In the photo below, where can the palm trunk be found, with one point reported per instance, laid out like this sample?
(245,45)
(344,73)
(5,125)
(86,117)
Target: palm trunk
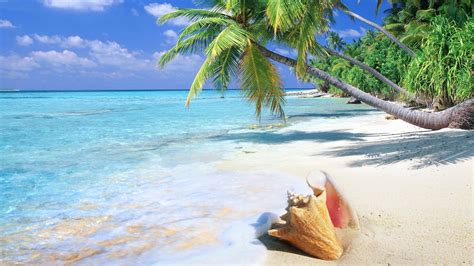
(372,71)
(381,29)
(459,116)
(377,75)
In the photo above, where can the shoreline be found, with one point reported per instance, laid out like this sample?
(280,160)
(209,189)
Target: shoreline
(253,167)
(411,188)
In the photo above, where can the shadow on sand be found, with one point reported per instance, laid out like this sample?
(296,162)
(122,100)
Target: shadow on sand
(285,137)
(273,243)
(336,114)
(437,148)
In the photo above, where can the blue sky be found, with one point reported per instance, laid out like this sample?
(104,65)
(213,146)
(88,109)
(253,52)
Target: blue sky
(110,44)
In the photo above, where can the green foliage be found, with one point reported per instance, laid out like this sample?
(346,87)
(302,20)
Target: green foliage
(227,34)
(443,70)
(255,84)
(231,33)
(376,51)
(410,20)
(296,23)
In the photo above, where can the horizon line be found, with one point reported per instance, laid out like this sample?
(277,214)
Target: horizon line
(106,90)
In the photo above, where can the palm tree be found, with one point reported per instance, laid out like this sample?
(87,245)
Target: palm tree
(233,35)
(381,29)
(334,41)
(375,73)
(228,34)
(410,20)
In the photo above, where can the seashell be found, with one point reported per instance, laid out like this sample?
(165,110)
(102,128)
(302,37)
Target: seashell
(310,222)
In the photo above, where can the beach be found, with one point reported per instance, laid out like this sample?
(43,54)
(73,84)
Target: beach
(168,185)
(411,188)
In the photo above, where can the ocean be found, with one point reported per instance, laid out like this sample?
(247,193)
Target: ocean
(125,177)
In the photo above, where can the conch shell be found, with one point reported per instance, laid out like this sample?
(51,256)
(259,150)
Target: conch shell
(310,221)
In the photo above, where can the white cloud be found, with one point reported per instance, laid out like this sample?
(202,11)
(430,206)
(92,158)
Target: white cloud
(351,33)
(16,67)
(158,10)
(81,5)
(113,54)
(66,42)
(181,63)
(64,58)
(104,59)
(24,40)
(47,39)
(73,41)
(6,24)
(17,63)
(171,36)
(102,53)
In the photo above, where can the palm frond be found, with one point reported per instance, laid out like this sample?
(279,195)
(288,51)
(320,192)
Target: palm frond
(260,81)
(203,24)
(204,73)
(192,14)
(283,14)
(194,44)
(232,36)
(226,67)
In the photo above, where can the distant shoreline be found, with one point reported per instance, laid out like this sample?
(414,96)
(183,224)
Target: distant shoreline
(128,90)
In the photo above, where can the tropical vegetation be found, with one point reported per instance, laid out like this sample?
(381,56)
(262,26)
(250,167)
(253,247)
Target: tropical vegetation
(235,36)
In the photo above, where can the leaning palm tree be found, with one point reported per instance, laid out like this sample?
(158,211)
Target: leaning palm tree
(233,35)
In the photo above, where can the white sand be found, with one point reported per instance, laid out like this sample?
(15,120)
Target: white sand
(411,188)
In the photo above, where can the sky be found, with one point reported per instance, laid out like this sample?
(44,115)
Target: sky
(113,44)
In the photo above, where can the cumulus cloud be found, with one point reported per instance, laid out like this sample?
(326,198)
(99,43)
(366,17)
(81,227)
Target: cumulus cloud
(6,24)
(24,40)
(16,63)
(181,63)
(158,10)
(73,41)
(81,5)
(171,36)
(64,58)
(103,53)
(351,33)
(47,39)
(66,42)
(113,54)
(105,59)
(15,66)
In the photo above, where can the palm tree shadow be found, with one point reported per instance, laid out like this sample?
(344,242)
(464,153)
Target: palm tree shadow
(270,137)
(435,148)
(334,114)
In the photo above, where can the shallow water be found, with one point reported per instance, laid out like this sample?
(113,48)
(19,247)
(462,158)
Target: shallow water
(117,177)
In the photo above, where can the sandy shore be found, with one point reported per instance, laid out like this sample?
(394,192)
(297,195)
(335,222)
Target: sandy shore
(411,188)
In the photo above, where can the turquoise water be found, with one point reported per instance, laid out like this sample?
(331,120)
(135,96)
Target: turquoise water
(117,177)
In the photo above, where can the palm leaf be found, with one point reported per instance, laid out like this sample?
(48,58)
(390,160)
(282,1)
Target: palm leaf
(192,14)
(226,67)
(204,73)
(283,14)
(203,24)
(260,81)
(191,45)
(232,36)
